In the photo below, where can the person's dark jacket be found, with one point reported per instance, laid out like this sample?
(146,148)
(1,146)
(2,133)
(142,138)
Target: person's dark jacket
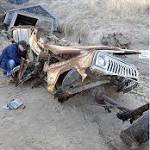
(10,52)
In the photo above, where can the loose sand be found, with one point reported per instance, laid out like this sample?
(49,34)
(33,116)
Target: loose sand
(78,124)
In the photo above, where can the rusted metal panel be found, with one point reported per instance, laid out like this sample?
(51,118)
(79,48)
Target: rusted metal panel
(80,63)
(57,50)
(34,45)
(45,44)
(109,49)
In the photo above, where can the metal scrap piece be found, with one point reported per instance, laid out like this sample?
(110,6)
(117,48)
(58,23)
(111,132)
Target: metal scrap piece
(62,94)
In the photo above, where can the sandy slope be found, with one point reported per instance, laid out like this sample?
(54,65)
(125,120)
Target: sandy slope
(78,124)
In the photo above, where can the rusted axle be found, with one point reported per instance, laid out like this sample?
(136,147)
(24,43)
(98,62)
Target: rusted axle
(102,99)
(65,94)
(125,114)
(133,114)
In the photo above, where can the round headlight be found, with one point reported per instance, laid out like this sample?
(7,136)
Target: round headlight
(100,61)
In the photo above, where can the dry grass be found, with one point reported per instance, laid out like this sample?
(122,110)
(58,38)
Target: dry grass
(122,7)
(86,19)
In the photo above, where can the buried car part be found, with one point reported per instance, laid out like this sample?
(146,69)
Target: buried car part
(138,132)
(97,62)
(125,114)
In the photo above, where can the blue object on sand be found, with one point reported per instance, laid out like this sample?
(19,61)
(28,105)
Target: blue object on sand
(13,104)
(17,1)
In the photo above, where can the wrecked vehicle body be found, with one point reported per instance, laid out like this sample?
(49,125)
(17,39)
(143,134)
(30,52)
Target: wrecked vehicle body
(97,62)
(67,66)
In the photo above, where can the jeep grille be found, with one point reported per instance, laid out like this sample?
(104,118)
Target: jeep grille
(120,68)
(114,66)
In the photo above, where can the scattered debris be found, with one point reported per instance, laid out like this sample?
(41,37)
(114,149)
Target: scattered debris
(30,70)
(14,104)
(116,39)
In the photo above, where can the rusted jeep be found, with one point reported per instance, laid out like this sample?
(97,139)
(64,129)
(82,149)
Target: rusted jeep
(70,68)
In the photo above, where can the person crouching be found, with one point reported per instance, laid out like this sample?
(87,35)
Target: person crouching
(11,56)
